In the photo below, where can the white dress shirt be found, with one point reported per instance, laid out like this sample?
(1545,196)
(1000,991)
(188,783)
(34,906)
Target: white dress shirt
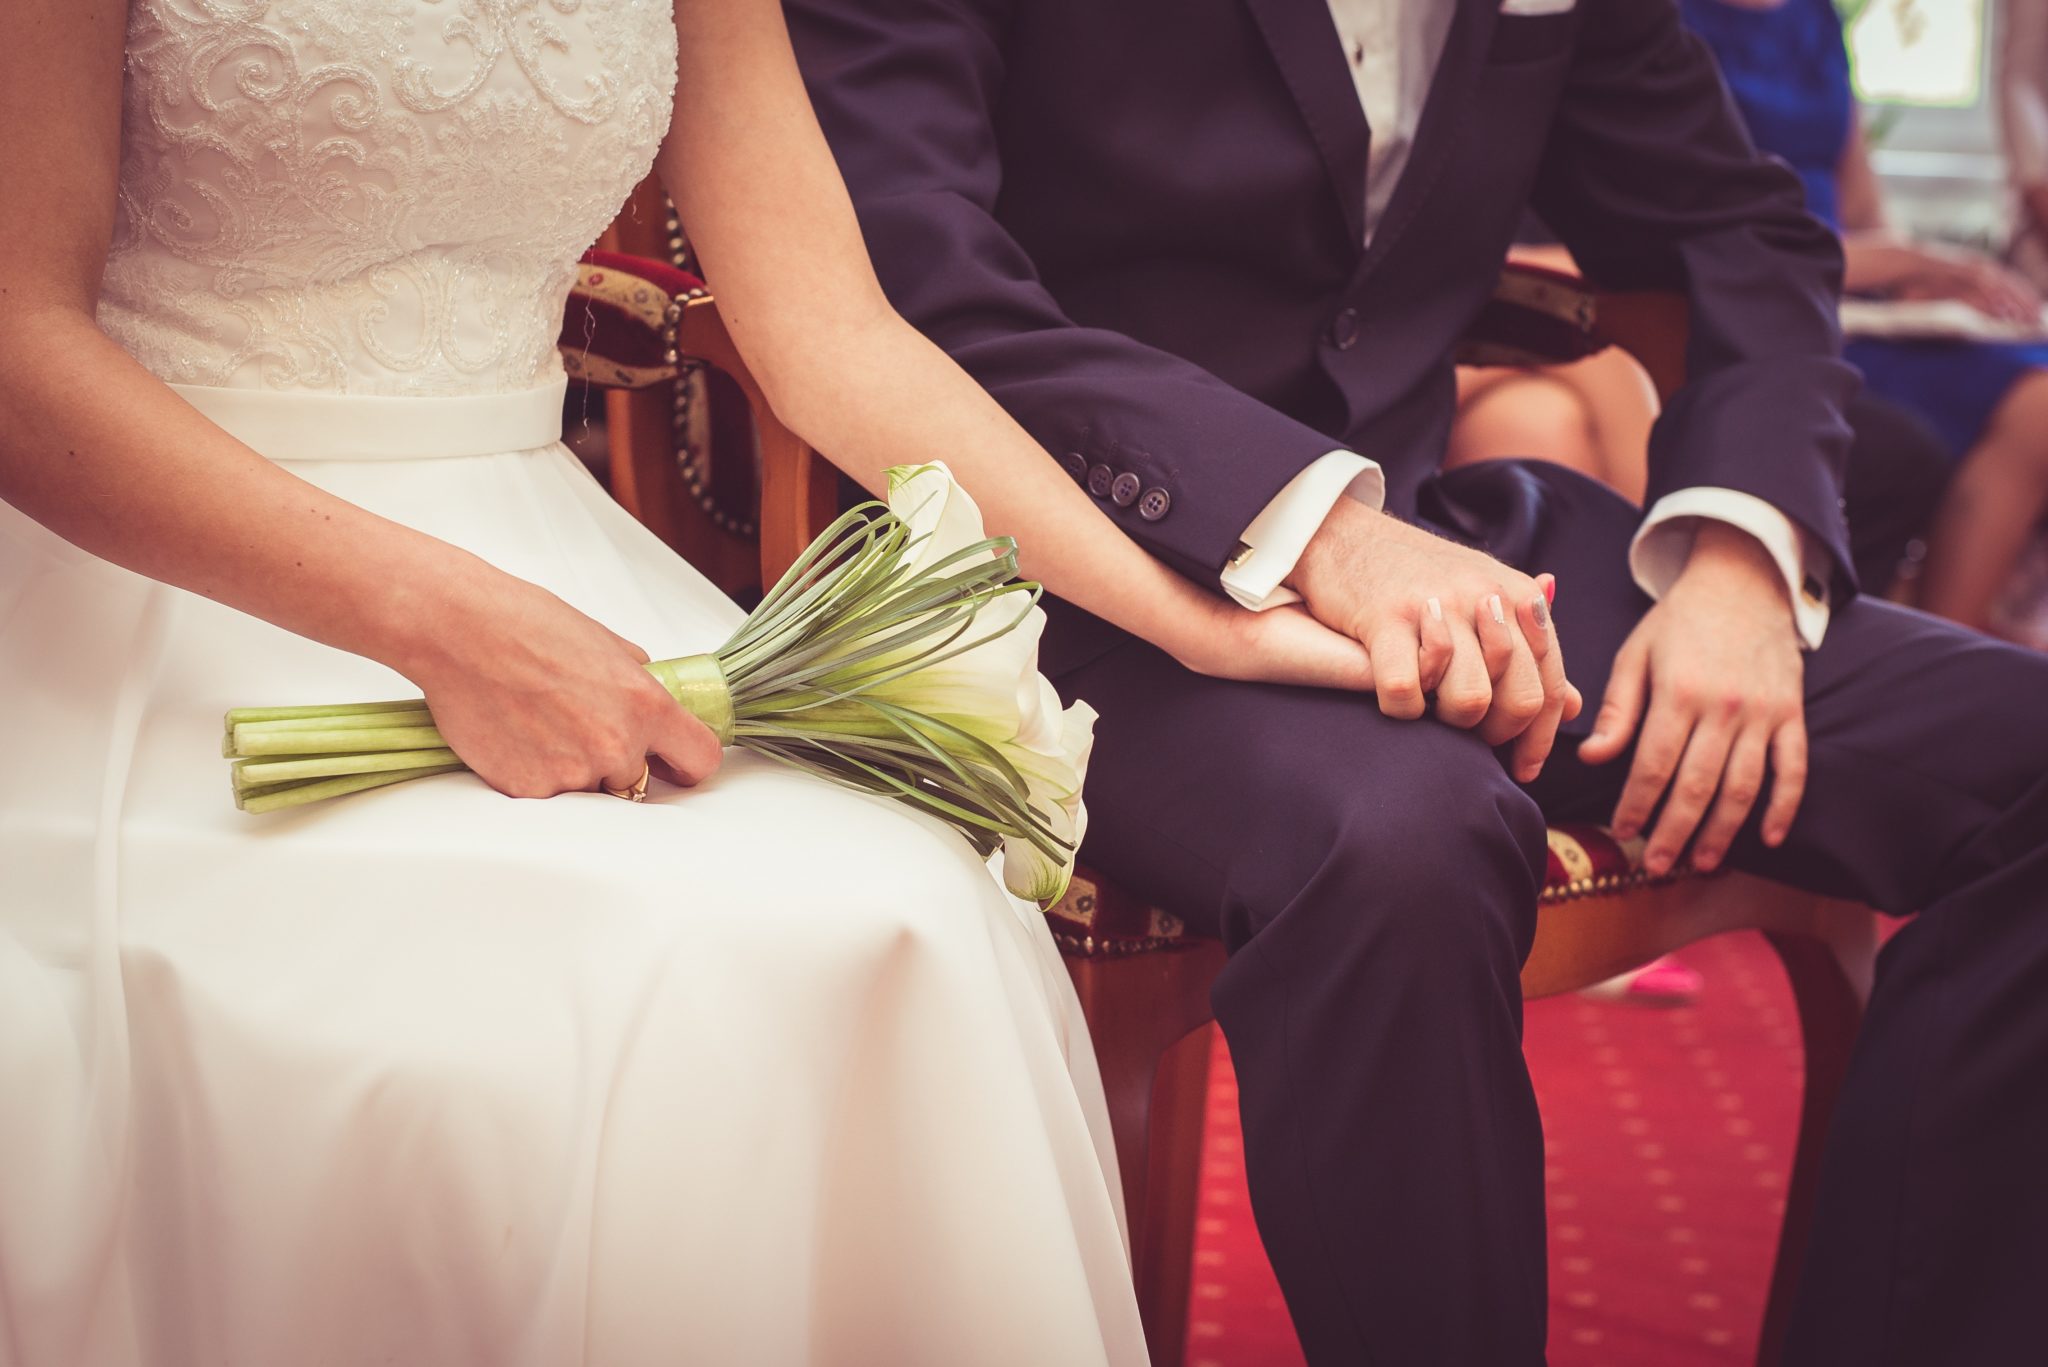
(1393,47)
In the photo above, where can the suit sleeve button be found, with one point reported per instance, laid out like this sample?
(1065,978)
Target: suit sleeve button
(1124,491)
(1154,504)
(1344,330)
(1100,477)
(1076,465)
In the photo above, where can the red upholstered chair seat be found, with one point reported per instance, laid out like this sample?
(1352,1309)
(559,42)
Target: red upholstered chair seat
(619,331)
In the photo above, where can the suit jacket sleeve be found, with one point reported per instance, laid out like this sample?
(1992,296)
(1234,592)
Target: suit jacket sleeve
(906,90)
(1651,181)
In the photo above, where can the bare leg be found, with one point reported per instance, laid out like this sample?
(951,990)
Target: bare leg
(1997,498)
(1523,413)
(1592,415)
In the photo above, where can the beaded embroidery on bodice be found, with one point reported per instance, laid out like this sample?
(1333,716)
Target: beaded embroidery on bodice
(373,196)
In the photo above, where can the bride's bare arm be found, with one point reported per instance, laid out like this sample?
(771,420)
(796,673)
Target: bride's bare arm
(753,178)
(535,696)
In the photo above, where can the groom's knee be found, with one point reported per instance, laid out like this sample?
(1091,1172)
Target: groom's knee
(1421,856)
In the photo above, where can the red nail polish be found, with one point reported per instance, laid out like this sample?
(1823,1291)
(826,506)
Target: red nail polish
(1549,590)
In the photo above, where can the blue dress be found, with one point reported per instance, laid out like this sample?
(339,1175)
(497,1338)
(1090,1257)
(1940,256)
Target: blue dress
(1789,73)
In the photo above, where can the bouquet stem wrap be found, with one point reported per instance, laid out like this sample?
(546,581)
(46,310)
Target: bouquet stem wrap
(699,685)
(898,656)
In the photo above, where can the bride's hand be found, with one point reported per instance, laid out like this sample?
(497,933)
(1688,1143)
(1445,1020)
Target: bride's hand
(1282,645)
(539,699)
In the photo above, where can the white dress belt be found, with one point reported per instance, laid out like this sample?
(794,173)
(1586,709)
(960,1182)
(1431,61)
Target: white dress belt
(290,425)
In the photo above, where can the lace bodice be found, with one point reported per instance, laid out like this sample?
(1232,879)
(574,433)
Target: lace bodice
(373,196)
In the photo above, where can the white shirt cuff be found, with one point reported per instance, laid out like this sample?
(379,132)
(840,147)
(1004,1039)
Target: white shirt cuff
(1272,545)
(1664,544)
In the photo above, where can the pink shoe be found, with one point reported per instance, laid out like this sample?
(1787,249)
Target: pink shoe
(1663,981)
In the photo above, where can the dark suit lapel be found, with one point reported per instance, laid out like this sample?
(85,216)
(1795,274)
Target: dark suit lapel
(1304,41)
(1443,119)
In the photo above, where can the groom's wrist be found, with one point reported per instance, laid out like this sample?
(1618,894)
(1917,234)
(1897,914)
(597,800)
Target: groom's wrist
(1333,549)
(1731,560)
(1270,550)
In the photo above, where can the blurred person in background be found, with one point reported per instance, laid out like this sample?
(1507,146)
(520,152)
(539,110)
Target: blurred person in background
(1595,414)
(1786,65)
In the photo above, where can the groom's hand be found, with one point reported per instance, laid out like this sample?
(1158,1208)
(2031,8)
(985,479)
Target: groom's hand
(1718,662)
(1437,617)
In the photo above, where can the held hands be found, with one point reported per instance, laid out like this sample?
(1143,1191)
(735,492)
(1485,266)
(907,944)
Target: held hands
(1717,662)
(539,699)
(1437,617)
(1282,645)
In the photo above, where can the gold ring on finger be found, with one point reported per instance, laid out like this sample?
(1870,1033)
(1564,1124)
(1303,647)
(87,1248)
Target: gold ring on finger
(636,792)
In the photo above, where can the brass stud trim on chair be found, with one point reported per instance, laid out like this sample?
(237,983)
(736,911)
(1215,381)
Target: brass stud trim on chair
(1610,883)
(1088,947)
(689,460)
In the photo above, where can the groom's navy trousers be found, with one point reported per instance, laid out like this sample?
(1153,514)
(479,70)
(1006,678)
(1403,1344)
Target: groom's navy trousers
(1140,224)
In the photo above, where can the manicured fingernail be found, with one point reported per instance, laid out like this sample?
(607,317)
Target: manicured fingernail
(1493,606)
(1706,860)
(1539,608)
(1549,583)
(1436,608)
(1658,862)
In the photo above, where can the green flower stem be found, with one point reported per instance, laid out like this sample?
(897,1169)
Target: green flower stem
(316,753)
(250,744)
(242,735)
(299,794)
(326,716)
(256,773)
(416,715)
(258,714)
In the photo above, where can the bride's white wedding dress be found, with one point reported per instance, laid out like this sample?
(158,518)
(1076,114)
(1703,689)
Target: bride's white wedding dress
(764,1073)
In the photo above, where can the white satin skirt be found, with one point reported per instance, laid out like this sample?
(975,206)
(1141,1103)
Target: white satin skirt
(762,1073)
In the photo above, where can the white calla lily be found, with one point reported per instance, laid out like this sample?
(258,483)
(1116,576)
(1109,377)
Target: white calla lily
(1054,775)
(942,517)
(1047,745)
(993,689)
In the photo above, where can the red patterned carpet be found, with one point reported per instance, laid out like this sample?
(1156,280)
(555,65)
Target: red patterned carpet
(1669,1138)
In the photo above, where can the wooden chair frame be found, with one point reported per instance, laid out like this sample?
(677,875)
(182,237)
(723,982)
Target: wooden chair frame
(1149,1012)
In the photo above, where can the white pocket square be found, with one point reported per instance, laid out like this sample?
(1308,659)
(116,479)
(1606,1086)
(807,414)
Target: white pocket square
(1532,8)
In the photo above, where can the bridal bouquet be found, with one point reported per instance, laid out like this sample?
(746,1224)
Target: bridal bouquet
(898,656)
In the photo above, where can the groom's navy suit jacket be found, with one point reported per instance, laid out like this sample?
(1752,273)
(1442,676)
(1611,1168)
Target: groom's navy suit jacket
(1139,223)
